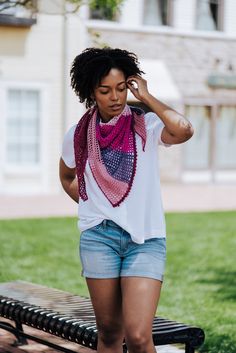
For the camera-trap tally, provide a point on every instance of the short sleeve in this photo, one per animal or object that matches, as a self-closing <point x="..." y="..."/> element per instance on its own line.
<point x="67" y="154"/>
<point x="154" y="126"/>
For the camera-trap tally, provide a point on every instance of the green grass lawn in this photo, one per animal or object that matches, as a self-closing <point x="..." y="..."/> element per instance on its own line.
<point x="200" y="282"/>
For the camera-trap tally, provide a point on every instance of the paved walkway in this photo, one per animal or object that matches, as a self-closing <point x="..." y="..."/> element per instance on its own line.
<point x="176" y="198"/>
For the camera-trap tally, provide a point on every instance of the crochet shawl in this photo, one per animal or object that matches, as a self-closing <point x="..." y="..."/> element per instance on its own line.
<point x="111" y="151"/>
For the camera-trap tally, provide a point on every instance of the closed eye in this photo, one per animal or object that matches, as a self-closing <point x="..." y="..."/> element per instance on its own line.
<point x="121" y="89"/>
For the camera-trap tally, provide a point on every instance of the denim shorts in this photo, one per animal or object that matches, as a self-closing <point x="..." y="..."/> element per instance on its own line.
<point x="107" y="251"/>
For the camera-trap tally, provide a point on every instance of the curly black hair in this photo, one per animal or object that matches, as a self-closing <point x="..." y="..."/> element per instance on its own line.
<point x="89" y="68"/>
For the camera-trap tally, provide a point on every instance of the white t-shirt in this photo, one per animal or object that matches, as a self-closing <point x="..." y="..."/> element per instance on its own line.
<point x="141" y="213"/>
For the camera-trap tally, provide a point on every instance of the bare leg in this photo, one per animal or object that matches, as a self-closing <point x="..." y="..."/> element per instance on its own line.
<point x="106" y="299"/>
<point x="140" y="299"/>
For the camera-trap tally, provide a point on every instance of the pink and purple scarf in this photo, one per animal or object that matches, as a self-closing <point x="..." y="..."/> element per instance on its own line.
<point x="111" y="151"/>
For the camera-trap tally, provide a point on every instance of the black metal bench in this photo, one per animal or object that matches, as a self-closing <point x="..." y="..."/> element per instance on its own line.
<point x="72" y="317"/>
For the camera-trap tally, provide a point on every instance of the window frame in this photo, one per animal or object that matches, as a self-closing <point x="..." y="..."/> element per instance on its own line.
<point x="220" y="18"/>
<point x="27" y="169"/>
<point x="211" y="137"/>
<point x="214" y="105"/>
<point x="169" y="19"/>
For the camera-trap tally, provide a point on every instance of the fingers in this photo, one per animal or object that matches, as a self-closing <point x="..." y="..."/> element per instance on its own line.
<point x="136" y="82"/>
<point x="138" y="86"/>
<point x="132" y="85"/>
<point x="135" y="79"/>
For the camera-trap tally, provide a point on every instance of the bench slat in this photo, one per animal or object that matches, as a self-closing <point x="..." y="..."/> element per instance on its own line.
<point x="72" y="317"/>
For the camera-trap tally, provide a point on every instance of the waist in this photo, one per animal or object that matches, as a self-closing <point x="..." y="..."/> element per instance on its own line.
<point x="109" y="223"/>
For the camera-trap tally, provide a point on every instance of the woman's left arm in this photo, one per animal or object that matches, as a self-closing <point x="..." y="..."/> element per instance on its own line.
<point x="177" y="128"/>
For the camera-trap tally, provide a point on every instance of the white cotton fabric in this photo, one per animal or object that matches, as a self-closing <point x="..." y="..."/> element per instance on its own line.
<point x="141" y="213"/>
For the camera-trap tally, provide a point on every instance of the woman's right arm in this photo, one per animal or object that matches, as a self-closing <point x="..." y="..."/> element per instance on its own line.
<point x="69" y="180"/>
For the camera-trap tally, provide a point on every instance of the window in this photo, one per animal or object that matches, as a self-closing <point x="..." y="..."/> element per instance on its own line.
<point x="213" y="144"/>
<point x="23" y="127"/>
<point x="209" y="15"/>
<point x="226" y="138"/>
<point x="157" y="12"/>
<point x="197" y="150"/>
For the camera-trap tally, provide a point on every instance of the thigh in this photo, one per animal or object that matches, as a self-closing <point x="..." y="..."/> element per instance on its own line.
<point x="140" y="298"/>
<point x="107" y="302"/>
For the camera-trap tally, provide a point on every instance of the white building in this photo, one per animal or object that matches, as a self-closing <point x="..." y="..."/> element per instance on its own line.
<point x="186" y="48"/>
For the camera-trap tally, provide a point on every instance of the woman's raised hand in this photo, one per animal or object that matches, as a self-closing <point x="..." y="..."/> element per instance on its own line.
<point x="138" y="86"/>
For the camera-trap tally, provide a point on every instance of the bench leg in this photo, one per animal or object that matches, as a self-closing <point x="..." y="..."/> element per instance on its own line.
<point x="10" y="328"/>
<point x="189" y="349"/>
<point x="21" y="340"/>
<point x="15" y="330"/>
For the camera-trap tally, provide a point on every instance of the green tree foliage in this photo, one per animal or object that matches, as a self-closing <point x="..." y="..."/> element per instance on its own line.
<point x="108" y="8"/>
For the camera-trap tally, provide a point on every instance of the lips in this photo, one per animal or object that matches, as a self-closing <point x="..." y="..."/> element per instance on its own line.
<point x="116" y="106"/>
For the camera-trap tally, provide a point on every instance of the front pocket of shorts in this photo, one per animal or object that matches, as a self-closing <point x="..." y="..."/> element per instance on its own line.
<point x="97" y="227"/>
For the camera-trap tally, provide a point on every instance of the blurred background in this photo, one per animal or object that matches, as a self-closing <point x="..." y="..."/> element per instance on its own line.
<point x="187" y="50"/>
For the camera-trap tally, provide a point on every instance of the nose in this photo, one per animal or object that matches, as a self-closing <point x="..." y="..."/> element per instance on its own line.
<point x="114" y="95"/>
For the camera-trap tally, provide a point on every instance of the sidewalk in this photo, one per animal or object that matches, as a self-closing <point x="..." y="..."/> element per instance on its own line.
<point x="176" y="198"/>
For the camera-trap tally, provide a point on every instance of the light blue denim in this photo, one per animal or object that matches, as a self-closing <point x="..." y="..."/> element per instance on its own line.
<point x="107" y="251"/>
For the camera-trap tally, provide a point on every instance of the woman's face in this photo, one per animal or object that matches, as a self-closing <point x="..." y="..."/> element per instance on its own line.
<point x="111" y="94"/>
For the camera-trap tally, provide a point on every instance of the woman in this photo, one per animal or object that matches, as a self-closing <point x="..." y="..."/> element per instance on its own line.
<point x="109" y="166"/>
